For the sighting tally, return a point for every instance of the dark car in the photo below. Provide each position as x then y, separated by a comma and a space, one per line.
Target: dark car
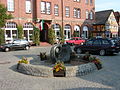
16, 44
116, 41
101, 46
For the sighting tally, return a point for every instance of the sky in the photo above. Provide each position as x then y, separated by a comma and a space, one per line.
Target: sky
107, 4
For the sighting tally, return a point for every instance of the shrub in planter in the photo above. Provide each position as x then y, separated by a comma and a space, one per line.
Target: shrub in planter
36, 38
96, 61
20, 31
43, 56
51, 36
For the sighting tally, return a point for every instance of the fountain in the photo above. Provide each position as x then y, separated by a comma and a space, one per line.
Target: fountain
75, 65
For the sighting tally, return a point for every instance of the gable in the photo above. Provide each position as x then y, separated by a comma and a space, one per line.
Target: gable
111, 20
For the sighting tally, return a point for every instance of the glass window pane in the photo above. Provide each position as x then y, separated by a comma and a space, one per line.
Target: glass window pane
42, 7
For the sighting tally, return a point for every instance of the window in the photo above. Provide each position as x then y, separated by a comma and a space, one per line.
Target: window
105, 41
10, 5
77, 12
10, 31
89, 42
75, 15
28, 31
10, 25
91, 15
42, 7
56, 11
28, 6
86, 1
91, 1
77, 0
27, 25
48, 8
67, 32
56, 27
67, 11
97, 42
87, 14
45, 7
76, 32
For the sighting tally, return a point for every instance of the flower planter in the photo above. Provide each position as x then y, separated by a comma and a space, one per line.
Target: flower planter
99, 66
59, 73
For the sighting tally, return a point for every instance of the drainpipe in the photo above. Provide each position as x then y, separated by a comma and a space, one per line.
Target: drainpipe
62, 15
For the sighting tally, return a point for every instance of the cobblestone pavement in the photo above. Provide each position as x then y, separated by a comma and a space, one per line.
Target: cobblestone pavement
106, 79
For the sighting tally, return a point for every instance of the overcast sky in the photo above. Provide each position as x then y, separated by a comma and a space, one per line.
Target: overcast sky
107, 4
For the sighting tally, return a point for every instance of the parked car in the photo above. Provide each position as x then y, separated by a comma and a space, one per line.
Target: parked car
16, 44
101, 46
116, 41
75, 41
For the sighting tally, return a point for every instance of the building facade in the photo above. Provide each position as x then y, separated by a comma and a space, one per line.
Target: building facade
117, 16
74, 16
105, 24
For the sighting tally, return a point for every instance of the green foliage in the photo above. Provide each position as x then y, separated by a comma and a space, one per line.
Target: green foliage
20, 31
3, 15
2, 36
59, 66
36, 38
76, 34
51, 36
62, 35
24, 60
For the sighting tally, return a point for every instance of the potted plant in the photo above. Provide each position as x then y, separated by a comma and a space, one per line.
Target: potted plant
59, 69
43, 56
96, 61
23, 60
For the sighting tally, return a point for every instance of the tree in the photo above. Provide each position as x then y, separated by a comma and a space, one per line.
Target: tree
51, 36
36, 38
3, 17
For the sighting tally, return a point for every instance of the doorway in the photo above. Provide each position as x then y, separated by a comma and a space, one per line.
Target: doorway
44, 33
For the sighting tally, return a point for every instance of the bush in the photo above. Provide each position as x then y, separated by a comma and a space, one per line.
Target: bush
51, 36
2, 37
36, 38
20, 31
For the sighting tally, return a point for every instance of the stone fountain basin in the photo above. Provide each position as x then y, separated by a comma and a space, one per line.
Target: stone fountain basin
45, 70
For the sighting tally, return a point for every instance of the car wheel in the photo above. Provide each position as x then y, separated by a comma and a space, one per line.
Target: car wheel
78, 51
102, 52
27, 47
7, 49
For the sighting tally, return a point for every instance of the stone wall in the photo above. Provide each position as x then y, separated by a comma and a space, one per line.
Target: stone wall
45, 71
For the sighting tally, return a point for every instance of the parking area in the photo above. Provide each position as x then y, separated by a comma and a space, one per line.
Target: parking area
107, 78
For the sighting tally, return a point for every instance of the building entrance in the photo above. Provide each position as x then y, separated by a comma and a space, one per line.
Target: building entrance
44, 33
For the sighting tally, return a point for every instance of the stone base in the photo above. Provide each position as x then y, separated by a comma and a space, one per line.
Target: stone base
47, 71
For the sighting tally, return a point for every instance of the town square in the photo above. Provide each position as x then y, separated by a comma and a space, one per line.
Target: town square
59, 45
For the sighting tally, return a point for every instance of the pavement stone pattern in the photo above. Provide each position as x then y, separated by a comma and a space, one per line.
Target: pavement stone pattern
107, 78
